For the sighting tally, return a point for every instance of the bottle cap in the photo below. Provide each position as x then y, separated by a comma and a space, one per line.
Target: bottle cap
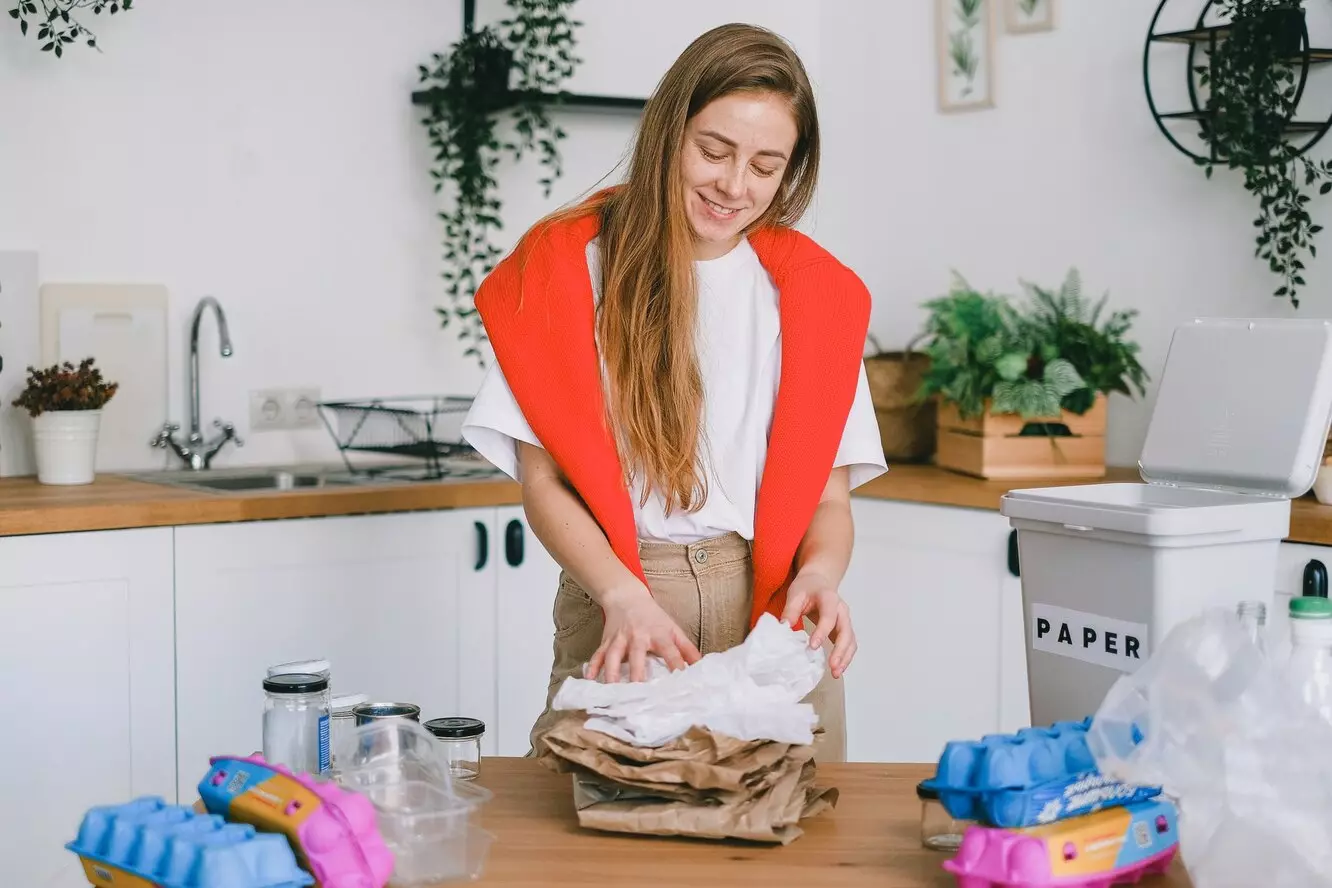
1310, 607
295, 683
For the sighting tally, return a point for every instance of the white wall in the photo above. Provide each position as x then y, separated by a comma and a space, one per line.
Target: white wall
265, 151
1068, 169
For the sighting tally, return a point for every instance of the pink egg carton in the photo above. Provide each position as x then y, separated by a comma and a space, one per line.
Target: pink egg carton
1110, 847
332, 830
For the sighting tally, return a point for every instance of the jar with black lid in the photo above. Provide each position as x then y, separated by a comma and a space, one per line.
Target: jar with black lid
461, 740
939, 830
296, 714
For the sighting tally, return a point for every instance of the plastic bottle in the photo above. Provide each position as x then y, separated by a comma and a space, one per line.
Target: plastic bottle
1309, 668
1253, 617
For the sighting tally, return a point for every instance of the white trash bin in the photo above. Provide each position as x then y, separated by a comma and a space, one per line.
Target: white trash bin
1238, 429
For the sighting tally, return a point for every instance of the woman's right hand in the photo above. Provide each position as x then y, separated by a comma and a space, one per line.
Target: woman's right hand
635, 627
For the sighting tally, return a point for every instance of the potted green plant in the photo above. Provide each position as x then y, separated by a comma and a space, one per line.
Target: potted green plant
516, 66
1023, 390
1252, 83
65, 403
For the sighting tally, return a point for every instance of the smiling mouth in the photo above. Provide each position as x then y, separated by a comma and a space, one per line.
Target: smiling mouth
725, 212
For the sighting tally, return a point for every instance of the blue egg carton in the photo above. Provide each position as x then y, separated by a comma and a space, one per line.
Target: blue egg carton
1037, 775
173, 846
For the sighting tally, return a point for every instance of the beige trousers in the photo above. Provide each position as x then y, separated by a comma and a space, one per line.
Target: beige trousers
707, 588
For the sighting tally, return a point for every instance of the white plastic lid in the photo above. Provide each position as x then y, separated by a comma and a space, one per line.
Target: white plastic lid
343, 704
314, 667
1244, 405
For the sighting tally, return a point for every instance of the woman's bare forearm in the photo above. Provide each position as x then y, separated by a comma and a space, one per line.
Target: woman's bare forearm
826, 546
568, 531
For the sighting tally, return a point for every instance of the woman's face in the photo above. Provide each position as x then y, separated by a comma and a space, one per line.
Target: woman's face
735, 155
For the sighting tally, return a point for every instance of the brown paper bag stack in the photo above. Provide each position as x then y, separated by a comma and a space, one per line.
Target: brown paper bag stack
702, 784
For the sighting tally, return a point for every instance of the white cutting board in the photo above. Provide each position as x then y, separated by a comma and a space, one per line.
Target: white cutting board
124, 327
19, 347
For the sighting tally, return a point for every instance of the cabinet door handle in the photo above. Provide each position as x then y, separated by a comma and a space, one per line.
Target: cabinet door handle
513, 543
1315, 579
1013, 567
482, 545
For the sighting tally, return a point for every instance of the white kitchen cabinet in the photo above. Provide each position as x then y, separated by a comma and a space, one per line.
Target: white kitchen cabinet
939, 625
391, 600
86, 685
526, 580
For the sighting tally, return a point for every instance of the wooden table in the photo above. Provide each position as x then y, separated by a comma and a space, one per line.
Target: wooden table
872, 838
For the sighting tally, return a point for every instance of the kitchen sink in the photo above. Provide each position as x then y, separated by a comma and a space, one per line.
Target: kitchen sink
273, 481
245, 480
257, 479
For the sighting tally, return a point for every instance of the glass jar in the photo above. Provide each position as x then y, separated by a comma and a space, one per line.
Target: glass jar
296, 715
461, 739
341, 724
939, 830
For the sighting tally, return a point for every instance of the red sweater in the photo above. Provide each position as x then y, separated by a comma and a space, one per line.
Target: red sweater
539, 313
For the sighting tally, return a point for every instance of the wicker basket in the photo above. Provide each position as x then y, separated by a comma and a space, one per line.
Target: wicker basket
907, 427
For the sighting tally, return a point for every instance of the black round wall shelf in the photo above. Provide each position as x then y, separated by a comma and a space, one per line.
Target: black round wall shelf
1203, 38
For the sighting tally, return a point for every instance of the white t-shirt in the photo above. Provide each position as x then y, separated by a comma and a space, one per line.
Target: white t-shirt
739, 349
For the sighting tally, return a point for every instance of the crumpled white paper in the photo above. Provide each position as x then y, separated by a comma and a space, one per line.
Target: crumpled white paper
750, 692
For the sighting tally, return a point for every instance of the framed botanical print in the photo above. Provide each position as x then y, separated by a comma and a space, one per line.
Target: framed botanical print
1027, 16
964, 34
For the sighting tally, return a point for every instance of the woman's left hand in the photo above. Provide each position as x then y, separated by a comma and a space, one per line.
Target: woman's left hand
812, 594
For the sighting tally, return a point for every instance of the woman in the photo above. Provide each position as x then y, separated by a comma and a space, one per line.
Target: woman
679, 386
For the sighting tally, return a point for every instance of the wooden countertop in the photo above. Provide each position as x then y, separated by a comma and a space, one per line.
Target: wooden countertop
116, 501
872, 838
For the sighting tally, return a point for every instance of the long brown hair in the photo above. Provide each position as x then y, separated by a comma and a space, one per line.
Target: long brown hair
646, 318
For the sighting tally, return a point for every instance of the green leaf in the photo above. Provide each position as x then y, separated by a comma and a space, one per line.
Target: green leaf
1062, 378
1011, 366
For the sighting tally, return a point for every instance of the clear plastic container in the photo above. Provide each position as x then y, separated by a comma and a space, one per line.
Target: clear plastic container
1309, 669
939, 830
424, 815
296, 722
460, 740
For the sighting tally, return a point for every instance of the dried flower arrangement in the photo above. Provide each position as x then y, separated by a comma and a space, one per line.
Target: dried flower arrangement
65, 387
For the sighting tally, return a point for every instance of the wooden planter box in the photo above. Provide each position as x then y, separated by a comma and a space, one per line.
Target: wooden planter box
990, 446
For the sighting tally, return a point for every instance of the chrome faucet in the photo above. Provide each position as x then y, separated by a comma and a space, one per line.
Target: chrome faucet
196, 452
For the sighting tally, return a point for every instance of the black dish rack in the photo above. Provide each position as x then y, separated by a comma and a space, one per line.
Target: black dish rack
427, 428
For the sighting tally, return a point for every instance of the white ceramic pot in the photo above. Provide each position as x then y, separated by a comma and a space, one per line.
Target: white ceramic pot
65, 444
1322, 488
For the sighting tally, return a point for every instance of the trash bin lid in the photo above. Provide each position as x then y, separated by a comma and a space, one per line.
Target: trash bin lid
1243, 405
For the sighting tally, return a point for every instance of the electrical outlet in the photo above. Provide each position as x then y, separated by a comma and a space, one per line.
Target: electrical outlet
303, 409
284, 409
268, 410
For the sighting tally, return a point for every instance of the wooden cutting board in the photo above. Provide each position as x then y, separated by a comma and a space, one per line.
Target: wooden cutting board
124, 327
19, 348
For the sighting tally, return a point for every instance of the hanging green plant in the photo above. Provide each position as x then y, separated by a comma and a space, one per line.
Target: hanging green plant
56, 26
517, 66
1253, 84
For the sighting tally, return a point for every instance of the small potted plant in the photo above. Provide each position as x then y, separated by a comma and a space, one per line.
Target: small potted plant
65, 403
1023, 391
